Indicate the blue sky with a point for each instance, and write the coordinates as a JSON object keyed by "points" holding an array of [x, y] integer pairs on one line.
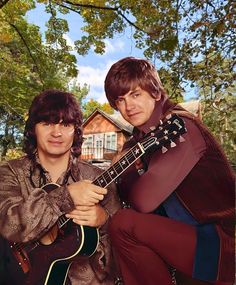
{"points": [[92, 67]]}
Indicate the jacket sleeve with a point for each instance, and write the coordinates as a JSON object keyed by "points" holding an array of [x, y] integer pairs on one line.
{"points": [[27, 214], [165, 172]]}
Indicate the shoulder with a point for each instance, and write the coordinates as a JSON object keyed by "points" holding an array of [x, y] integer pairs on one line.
{"points": [[192, 122], [85, 169], [16, 163], [194, 136], [15, 166]]}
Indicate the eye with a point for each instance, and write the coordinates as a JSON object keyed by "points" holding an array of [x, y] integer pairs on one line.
{"points": [[135, 95], [119, 101], [67, 125], [45, 123]]}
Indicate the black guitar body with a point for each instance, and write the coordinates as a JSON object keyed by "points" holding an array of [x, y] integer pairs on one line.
{"points": [[10, 271], [51, 261], [49, 264]]}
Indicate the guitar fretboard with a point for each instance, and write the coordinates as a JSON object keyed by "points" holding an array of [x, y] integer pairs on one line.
{"points": [[119, 167]]}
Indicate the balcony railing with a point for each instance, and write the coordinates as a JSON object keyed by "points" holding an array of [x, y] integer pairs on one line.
{"points": [[97, 153]]}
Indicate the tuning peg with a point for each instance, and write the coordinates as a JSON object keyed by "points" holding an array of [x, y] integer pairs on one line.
{"points": [[164, 149], [168, 116], [172, 144], [161, 123], [181, 139]]}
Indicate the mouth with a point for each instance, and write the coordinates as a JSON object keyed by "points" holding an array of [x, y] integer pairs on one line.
{"points": [[55, 142], [133, 115]]}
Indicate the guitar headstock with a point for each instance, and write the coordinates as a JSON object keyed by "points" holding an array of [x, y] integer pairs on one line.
{"points": [[165, 134]]}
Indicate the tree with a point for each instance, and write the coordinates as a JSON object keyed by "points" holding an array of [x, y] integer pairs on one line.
{"points": [[220, 117], [192, 41], [80, 92], [27, 67], [176, 34], [92, 105]]}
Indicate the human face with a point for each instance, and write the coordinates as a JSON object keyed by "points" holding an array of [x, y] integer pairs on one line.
{"points": [[136, 106], [54, 140]]}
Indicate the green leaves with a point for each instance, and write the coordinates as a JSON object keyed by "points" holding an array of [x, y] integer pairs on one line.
{"points": [[27, 66], [92, 105], [192, 42]]}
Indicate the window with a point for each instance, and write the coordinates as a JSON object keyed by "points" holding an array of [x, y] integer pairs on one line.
{"points": [[88, 144], [111, 141]]}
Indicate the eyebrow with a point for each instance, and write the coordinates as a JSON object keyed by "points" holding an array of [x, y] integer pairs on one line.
{"points": [[131, 92], [134, 91]]}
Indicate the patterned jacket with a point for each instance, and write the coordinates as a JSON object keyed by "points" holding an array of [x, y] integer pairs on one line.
{"points": [[27, 212]]}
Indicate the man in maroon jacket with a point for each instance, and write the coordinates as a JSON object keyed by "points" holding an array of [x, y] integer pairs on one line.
{"points": [[179, 214]]}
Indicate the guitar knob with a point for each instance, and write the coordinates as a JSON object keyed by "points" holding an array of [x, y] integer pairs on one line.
{"points": [[164, 149], [181, 139], [172, 144]]}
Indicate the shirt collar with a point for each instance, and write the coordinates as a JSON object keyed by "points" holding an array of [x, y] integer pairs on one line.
{"points": [[40, 176], [152, 123]]}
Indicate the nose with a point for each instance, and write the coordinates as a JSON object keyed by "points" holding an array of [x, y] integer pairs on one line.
{"points": [[129, 104], [56, 130]]}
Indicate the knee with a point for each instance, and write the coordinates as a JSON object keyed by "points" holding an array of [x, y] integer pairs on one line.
{"points": [[122, 223]]}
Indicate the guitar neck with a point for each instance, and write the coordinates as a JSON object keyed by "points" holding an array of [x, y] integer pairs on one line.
{"points": [[112, 173], [120, 166]]}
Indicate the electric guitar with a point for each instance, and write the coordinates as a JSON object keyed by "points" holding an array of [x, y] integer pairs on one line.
{"points": [[47, 260]]}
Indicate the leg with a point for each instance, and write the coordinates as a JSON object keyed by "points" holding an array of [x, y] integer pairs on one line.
{"points": [[146, 245]]}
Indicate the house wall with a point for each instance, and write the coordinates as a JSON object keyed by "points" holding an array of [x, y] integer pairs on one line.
{"points": [[99, 125]]}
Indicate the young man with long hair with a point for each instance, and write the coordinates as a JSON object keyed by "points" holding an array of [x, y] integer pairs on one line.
{"points": [[29, 211], [178, 223]]}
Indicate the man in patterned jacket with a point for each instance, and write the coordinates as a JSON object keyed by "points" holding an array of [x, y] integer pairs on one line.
{"points": [[29, 211]]}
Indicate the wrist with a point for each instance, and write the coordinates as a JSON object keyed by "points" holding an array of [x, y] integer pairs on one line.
{"points": [[106, 216]]}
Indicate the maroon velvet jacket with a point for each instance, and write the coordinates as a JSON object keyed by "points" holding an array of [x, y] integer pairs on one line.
{"points": [[206, 189], [208, 194]]}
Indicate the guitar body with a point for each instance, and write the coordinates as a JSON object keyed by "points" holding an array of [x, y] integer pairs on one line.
{"points": [[48, 263]]}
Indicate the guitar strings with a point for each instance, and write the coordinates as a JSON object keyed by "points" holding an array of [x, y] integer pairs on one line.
{"points": [[118, 165]]}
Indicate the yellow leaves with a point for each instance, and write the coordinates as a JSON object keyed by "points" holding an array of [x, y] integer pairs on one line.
{"points": [[5, 37], [217, 27], [14, 8], [13, 153], [93, 2], [25, 116], [5, 30]]}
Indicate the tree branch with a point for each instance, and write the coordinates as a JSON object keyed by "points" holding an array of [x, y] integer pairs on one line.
{"points": [[115, 9], [28, 49], [3, 3]]}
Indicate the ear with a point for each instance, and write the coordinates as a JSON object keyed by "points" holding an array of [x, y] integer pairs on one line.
{"points": [[158, 97]]}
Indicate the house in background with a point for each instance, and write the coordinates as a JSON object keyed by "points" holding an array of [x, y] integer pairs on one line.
{"points": [[105, 134]]}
